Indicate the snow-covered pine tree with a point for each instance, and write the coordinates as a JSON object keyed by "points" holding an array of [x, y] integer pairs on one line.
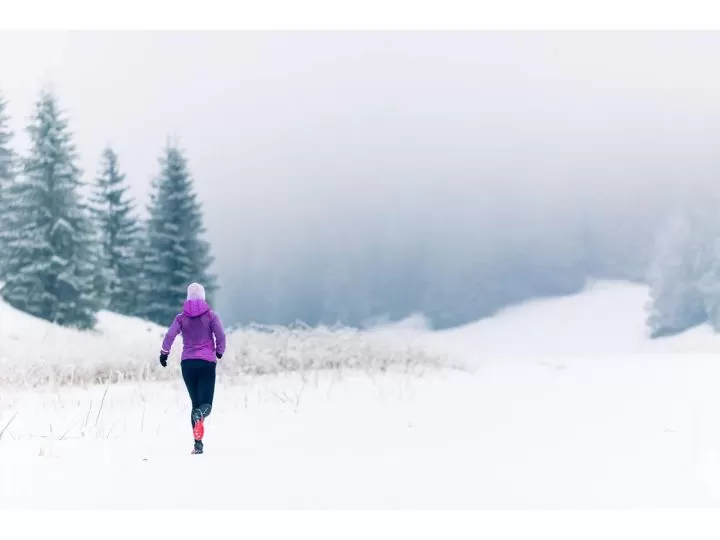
{"points": [[7, 156], [119, 231], [147, 260], [704, 219], [52, 267], [676, 301], [7, 174], [175, 252]]}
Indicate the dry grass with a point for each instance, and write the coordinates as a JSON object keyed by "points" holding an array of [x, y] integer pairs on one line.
{"points": [[256, 350]]}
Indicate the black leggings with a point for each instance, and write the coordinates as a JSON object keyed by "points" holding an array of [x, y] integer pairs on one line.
{"points": [[199, 377]]}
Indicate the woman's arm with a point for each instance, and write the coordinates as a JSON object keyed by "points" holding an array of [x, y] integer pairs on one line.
{"points": [[219, 332], [170, 336]]}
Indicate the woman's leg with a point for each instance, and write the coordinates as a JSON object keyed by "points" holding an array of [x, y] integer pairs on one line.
{"points": [[190, 374], [203, 375], [206, 388]]}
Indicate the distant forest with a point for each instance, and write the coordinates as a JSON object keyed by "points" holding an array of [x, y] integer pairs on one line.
{"points": [[74, 243], [451, 271]]}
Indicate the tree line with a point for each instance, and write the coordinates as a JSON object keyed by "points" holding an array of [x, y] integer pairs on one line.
{"points": [[65, 256]]}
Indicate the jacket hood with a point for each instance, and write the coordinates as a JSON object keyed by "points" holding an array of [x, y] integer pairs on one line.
{"points": [[195, 308]]}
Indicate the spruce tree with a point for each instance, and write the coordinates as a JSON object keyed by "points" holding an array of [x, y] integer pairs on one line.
{"points": [[175, 252], [52, 267], [703, 252], [119, 233], [676, 303], [7, 156], [7, 174]]}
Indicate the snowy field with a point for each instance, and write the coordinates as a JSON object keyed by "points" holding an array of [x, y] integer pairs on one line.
{"points": [[567, 405]]}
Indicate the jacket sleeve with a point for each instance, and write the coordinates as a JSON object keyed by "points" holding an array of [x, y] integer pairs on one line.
{"points": [[219, 332], [170, 336]]}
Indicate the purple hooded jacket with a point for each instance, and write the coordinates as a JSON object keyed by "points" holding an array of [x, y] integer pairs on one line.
{"points": [[198, 325]]}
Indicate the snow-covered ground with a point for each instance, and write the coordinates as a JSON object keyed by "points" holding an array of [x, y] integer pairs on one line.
{"points": [[569, 405]]}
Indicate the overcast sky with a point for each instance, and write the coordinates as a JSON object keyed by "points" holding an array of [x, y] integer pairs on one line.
{"points": [[282, 127]]}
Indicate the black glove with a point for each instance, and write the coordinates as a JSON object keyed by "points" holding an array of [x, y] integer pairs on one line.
{"points": [[163, 359], [218, 355]]}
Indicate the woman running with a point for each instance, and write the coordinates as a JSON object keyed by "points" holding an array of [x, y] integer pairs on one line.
{"points": [[203, 344]]}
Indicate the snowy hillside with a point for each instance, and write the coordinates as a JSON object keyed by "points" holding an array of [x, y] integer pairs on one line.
{"points": [[606, 319], [570, 405], [35, 352]]}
